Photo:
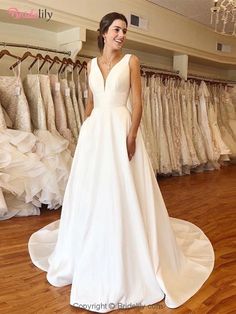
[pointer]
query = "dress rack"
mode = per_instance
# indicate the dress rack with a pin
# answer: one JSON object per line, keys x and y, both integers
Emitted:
{"x": 66, "y": 61}
{"x": 150, "y": 70}
{"x": 209, "y": 80}
{"x": 154, "y": 70}
{"x": 145, "y": 68}
{"x": 85, "y": 56}
{"x": 5, "y": 44}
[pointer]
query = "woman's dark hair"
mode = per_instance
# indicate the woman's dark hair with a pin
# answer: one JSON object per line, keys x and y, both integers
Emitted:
{"x": 106, "y": 21}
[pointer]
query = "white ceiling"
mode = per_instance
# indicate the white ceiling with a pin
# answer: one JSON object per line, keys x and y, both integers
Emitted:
{"x": 198, "y": 10}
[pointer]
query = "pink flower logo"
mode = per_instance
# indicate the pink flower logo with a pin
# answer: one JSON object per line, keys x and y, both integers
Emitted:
{"x": 17, "y": 14}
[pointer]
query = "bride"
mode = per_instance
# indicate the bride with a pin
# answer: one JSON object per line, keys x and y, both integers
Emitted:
{"x": 115, "y": 243}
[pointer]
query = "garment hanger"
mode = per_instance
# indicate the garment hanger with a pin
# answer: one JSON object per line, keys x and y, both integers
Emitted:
{"x": 47, "y": 58}
{"x": 25, "y": 55}
{"x": 78, "y": 64}
{"x": 55, "y": 60}
{"x": 83, "y": 66}
{"x": 65, "y": 62}
{"x": 37, "y": 57}
{"x": 6, "y": 52}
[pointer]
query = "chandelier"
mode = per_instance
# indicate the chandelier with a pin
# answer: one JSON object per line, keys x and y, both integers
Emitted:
{"x": 223, "y": 16}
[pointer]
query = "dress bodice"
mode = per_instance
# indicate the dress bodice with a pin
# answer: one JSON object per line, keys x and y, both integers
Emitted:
{"x": 36, "y": 105}
{"x": 14, "y": 102}
{"x": 115, "y": 90}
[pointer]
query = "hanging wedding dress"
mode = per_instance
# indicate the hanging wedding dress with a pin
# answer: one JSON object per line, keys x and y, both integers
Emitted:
{"x": 23, "y": 176}
{"x": 70, "y": 113}
{"x": 203, "y": 121}
{"x": 174, "y": 125}
{"x": 51, "y": 148}
{"x": 79, "y": 93}
{"x": 226, "y": 131}
{"x": 196, "y": 131}
{"x": 165, "y": 162}
{"x": 167, "y": 128}
{"x": 14, "y": 102}
{"x": 221, "y": 148}
{"x": 60, "y": 111}
{"x": 185, "y": 153}
{"x": 146, "y": 126}
{"x": 75, "y": 102}
{"x": 156, "y": 130}
{"x": 115, "y": 242}
{"x": 186, "y": 125}
{"x": 231, "y": 112}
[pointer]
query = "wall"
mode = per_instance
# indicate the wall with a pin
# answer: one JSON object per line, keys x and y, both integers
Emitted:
{"x": 164, "y": 60}
{"x": 166, "y": 29}
{"x": 168, "y": 33}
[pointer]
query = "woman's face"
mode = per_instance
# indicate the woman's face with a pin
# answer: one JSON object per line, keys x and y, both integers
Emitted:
{"x": 114, "y": 38}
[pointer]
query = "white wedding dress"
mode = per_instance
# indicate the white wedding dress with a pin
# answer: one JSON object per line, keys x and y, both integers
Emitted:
{"x": 115, "y": 242}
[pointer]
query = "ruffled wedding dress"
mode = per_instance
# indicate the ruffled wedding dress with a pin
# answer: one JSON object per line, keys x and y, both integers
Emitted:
{"x": 115, "y": 243}
{"x": 23, "y": 177}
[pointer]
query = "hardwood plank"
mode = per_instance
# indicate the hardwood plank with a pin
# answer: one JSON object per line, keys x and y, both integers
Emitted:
{"x": 206, "y": 199}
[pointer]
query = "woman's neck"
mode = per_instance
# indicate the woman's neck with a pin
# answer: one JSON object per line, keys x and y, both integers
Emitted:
{"x": 111, "y": 55}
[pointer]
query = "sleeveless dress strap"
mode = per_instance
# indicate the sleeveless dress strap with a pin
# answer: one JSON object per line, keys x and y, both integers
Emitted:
{"x": 127, "y": 57}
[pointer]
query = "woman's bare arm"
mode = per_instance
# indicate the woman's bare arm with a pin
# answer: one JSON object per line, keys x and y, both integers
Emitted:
{"x": 136, "y": 91}
{"x": 89, "y": 103}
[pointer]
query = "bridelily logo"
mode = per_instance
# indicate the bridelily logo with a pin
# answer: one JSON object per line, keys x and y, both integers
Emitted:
{"x": 31, "y": 14}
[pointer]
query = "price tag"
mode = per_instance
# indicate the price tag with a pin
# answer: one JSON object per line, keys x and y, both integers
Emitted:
{"x": 18, "y": 90}
{"x": 85, "y": 93}
{"x": 67, "y": 92}
{"x": 57, "y": 86}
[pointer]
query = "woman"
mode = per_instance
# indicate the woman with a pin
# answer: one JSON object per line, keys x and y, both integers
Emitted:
{"x": 110, "y": 42}
{"x": 116, "y": 244}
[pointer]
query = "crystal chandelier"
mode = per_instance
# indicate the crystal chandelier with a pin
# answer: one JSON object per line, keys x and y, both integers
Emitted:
{"x": 223, "y": 15}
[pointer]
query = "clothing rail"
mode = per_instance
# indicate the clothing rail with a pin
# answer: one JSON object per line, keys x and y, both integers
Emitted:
{"x": 146, "y": 68}
{"x": 158, "y": 70}
{"x": 85, "y": 56}
{"x": 209, "y": 79}
{"x": 5, "y": 44}
{"x": 142, "y": 66}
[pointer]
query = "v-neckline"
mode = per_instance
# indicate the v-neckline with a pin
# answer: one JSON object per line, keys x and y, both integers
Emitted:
{"x": 105, "y": 80}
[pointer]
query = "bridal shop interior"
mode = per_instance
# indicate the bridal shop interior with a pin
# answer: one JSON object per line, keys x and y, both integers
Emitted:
{"x": 188, "y": 76}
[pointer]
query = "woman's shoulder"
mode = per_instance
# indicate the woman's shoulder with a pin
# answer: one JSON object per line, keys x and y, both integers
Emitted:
{"x": 132, "y": 57}
{"x": 134, "y": 61}
{"x": 89, "y": 64}
{"x": 93, "y": 59}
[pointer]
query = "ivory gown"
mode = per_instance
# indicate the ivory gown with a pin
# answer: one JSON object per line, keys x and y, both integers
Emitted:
{"x": 115, "y": 242}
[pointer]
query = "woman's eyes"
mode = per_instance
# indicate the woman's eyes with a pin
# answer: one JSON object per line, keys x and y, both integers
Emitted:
{"x": 118, "y": 29}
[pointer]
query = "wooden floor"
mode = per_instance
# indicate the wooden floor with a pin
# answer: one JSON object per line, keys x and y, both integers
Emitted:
{"x": 206, "y": 199}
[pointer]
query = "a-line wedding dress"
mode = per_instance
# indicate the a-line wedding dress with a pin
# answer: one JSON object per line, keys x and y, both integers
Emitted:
{"x": 115, "y": 242}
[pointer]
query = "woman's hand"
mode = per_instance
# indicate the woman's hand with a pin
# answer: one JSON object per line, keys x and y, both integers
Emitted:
{"x": 131, "y": 146}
